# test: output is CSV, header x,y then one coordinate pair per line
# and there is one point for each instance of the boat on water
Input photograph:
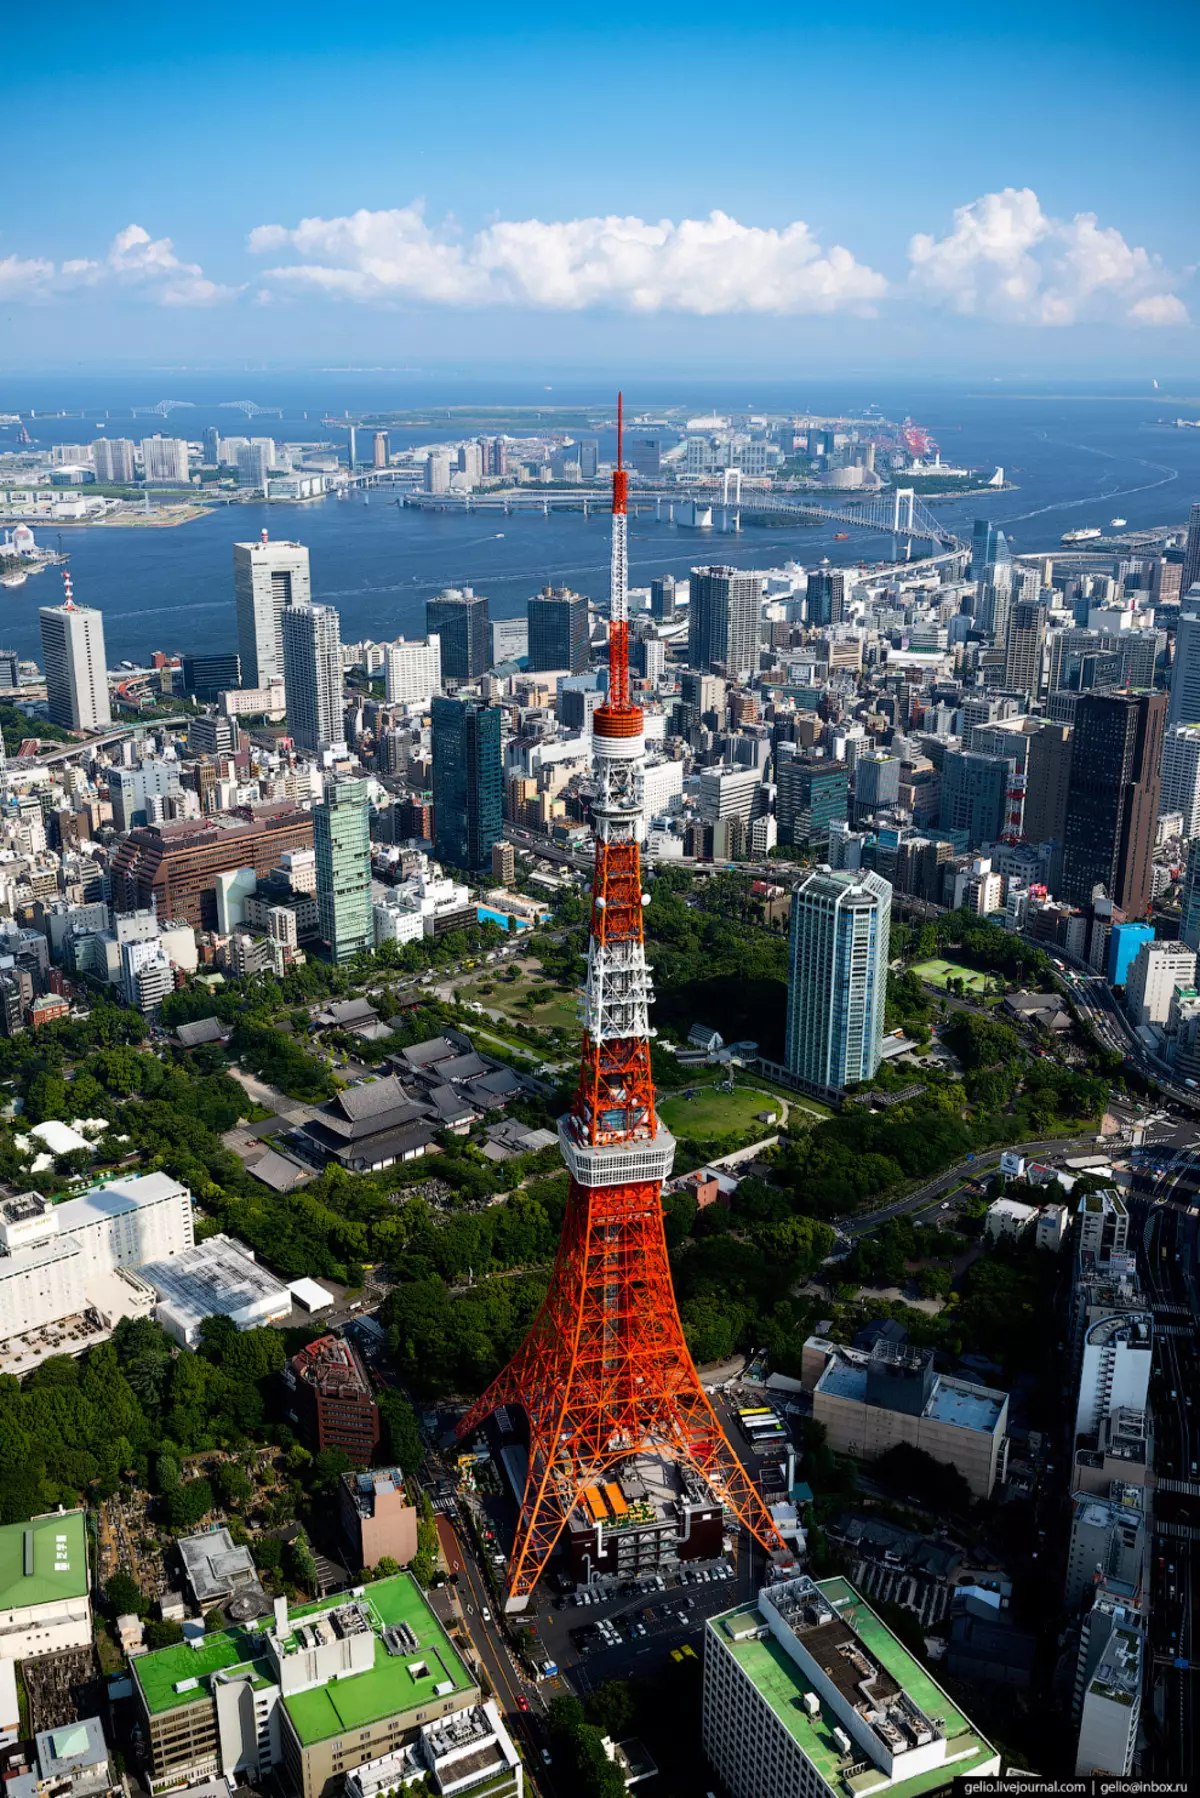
x,y
1087,534
1116,523
841,536
17,578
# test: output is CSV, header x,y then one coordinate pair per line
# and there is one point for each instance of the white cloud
x,y
134,259
708,266
1008,260
24,278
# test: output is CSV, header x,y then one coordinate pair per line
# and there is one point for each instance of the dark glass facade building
x,y
461,621
468,782
1112,798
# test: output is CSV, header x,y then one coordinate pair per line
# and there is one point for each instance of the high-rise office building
x,y
312,676
1180,791
351,447
1024,642
988,545
1112,1707
460,620
1189,915
1112,800
662,598
468,782
255,460
558,630
974,790
380,450
876,783
1185,672
342,840
437,472
165,459
206,676
267,576
723,616
412,671
75,666
784,1714
1191,553
113,460
837,976
810,796
1047,780
508,640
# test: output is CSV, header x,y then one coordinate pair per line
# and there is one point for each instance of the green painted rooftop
x,y
387,1689
43,1560
782,1683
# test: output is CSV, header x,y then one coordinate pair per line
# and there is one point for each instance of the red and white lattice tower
x,y
604,1373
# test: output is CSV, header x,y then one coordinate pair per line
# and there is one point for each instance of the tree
x,y
301,1563
125,1596
611,1707
163,1634
189,1504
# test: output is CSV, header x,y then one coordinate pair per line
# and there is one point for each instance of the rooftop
x,y
966,1406
43,1560
331,1366
393,1686
216,1278
782,1682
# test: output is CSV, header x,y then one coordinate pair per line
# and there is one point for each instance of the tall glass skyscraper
x,y
342,839
312,676
723,615
468,782
460,619
837,976
988,545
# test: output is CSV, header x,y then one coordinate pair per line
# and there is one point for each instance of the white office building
x,y
1157,969
76,670
267,577
808,1694
663,787
837,976
1115,1374
412,670
1112,1707
312,676
1180,791
1184,707
165,459
56,1261
728,793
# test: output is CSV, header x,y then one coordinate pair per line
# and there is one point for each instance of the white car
x,y
485,1614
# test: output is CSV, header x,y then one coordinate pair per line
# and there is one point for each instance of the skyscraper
x,y
468,782
75,665
974,788
988,544
723,621
113,459
810,796
1191,553
1047,781
558,630
266,577
460,620
1181,775
412,671
837,976
207,675
380,450
662,598
876,783
312,676
1024,642
1112,800
165,459
1185,673
342,839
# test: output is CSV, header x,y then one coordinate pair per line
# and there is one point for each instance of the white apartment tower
x,y
113,459
165,459
412,670
1181,775
267,577
75,665
312,676
1157,969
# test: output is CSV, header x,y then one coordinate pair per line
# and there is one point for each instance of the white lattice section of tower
x,y
618,585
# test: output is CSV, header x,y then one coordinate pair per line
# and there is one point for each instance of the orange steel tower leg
x,y
605,1373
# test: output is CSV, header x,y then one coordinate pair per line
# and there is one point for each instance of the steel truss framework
x,y
605,1373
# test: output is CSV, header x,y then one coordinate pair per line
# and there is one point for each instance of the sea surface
x,y
1079,456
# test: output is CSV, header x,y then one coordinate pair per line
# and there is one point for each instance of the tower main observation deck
x,y
604,1374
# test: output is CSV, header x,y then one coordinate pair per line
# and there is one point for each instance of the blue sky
x,y
958,185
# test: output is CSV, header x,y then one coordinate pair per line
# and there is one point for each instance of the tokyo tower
x,y
604,1374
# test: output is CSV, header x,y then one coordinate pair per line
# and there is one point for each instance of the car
x,y
522,1702
485,1614
547,1757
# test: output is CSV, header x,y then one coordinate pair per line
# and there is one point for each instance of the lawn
x,y
712,1113
555,1008
937,973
